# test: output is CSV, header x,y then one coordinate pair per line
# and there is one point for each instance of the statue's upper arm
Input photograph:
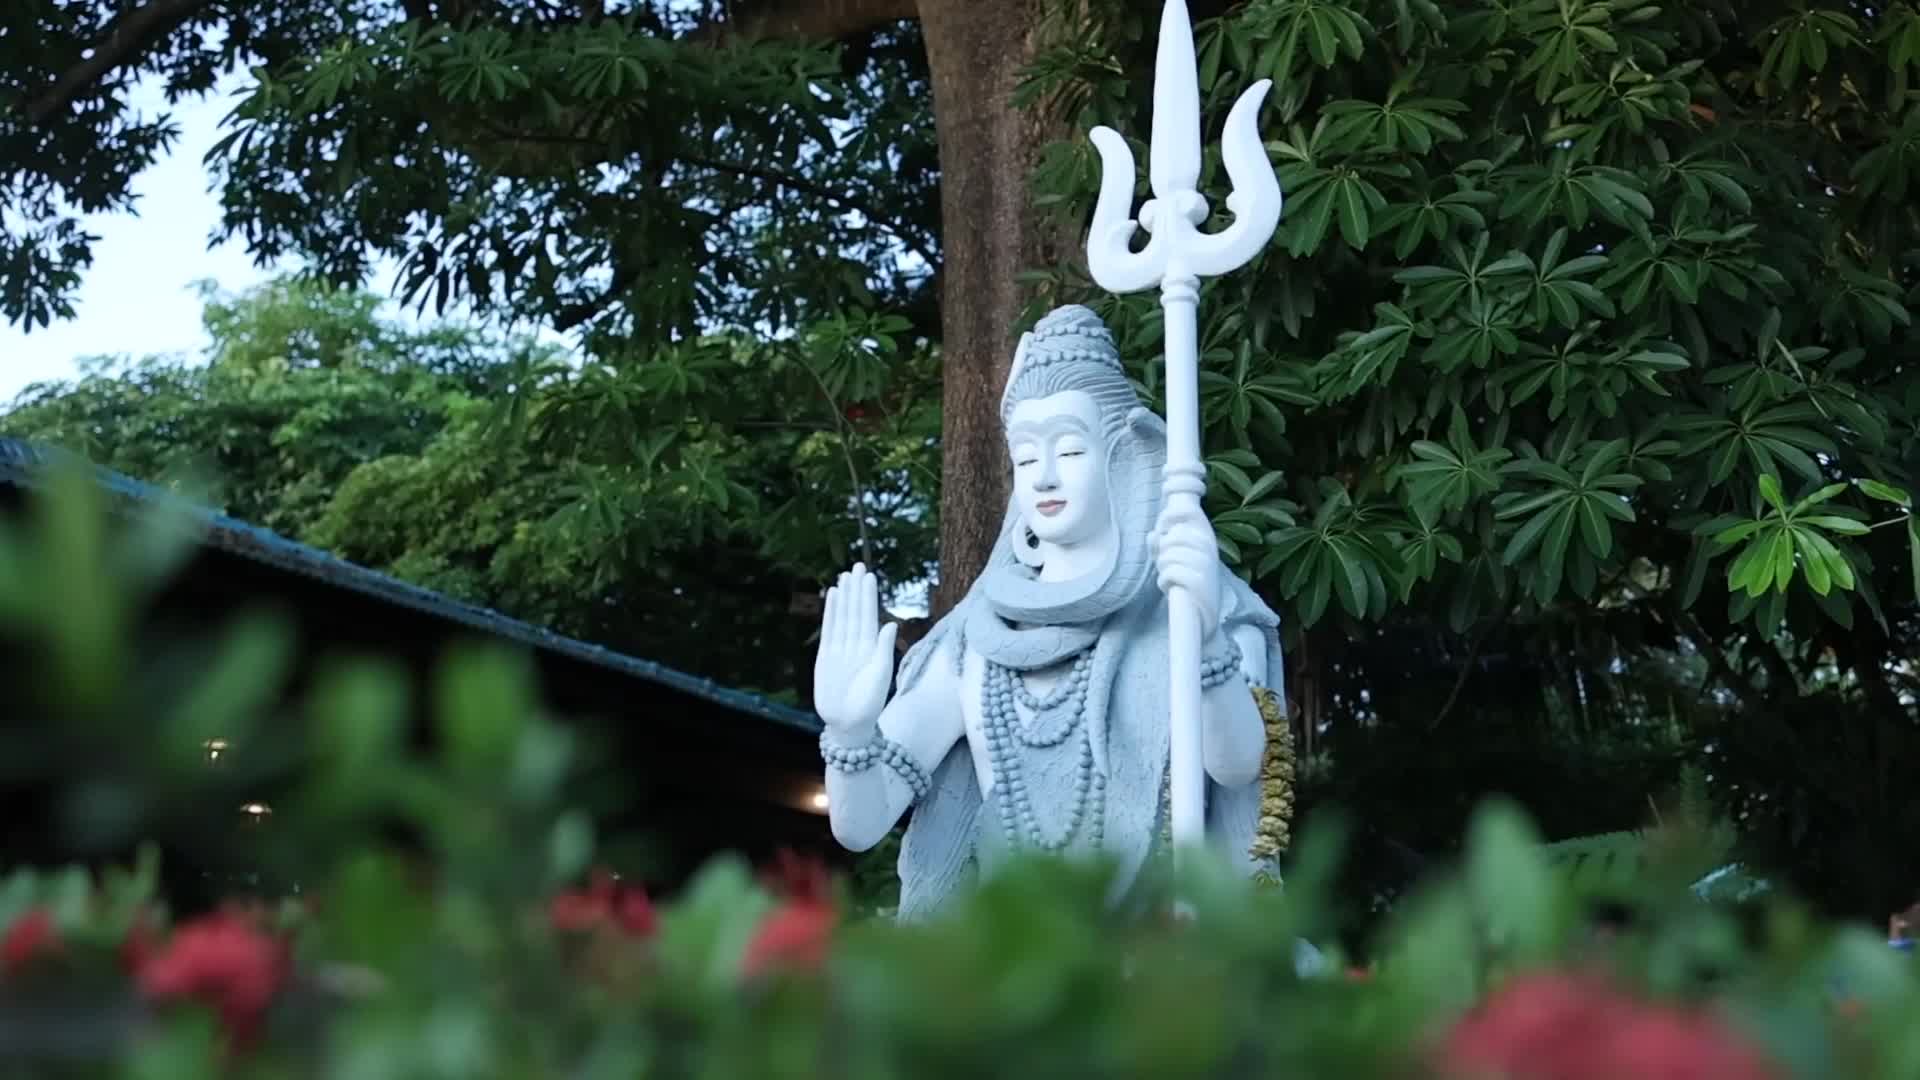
x,y
924,715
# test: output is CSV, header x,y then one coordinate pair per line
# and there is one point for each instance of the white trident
x,y
1176,258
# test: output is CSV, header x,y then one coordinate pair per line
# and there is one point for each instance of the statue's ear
x,y
1026,546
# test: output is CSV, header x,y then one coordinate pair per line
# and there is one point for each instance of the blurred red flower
x,y
1563,1027
633,913
138,947
793,937
221,961
604,901
799,877
583,909
28,936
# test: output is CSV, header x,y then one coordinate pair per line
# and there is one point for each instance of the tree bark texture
x,y
823,20
991,233
1304,694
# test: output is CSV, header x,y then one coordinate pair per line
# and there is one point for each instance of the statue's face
x,y
1059,467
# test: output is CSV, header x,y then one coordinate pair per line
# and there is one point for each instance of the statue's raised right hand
x,y
854,667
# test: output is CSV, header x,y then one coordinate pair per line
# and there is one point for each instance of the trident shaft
x,y
1177,255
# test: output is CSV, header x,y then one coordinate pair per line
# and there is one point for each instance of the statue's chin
x,y
1074,538
1081,560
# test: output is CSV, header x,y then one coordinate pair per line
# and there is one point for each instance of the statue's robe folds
x,y
1128,706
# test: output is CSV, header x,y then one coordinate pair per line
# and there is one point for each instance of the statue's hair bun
x,y
1072,333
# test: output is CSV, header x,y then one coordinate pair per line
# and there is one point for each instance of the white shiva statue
x,y
1034,715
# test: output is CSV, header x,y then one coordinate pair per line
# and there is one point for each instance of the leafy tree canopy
x,y
641,172
674,509
1586,339
1559,282
1564,289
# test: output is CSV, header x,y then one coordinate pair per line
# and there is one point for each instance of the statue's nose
x,y
1049,477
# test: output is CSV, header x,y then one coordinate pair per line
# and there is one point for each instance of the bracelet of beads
x,y
882,751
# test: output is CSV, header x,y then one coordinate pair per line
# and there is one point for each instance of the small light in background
x,y
215,747
820,800
256,809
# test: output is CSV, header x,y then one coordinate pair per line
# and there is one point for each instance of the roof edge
x,y
24,464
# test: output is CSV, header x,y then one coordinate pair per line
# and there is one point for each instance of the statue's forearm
x,y
1252,643
877,770
1233,736
863,806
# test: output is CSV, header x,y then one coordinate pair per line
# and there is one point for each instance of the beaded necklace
x,y
1056,718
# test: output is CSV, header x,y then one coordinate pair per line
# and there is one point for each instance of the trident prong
x,y
1177,247
1176,257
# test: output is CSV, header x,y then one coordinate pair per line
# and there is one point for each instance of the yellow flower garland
x,y
1273,833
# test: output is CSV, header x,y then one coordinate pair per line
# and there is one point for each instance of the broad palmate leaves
x,y
1572,301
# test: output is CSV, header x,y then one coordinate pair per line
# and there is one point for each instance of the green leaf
x,y
1770,490
1594,530
1784,563
1843,526
569,847
231,694
1886,493
1350,580
1322,39
1819,575
1752,568
1512,885
703,939
1319,588
484,704
1913,551
1355,224
1432,951
1832,561
1526,537
1555,549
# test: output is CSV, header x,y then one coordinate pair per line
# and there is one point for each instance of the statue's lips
x,y
1051,506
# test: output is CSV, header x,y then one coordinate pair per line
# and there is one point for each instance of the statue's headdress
x,y
1070,349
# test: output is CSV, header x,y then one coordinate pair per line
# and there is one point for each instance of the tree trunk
x,y
991,232
1304,693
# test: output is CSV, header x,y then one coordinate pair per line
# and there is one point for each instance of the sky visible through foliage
x,y
139,298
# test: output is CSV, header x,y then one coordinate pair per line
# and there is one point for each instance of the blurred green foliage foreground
x,y
448,922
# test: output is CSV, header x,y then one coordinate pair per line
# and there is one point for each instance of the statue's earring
x,y
1026,546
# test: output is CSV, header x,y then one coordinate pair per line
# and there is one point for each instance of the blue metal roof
x,y
24,464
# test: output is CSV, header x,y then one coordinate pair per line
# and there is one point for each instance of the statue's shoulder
x,y
945,642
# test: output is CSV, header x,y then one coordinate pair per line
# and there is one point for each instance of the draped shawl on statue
x,y
1014,619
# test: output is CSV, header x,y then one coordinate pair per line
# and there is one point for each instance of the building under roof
x,y
695,767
